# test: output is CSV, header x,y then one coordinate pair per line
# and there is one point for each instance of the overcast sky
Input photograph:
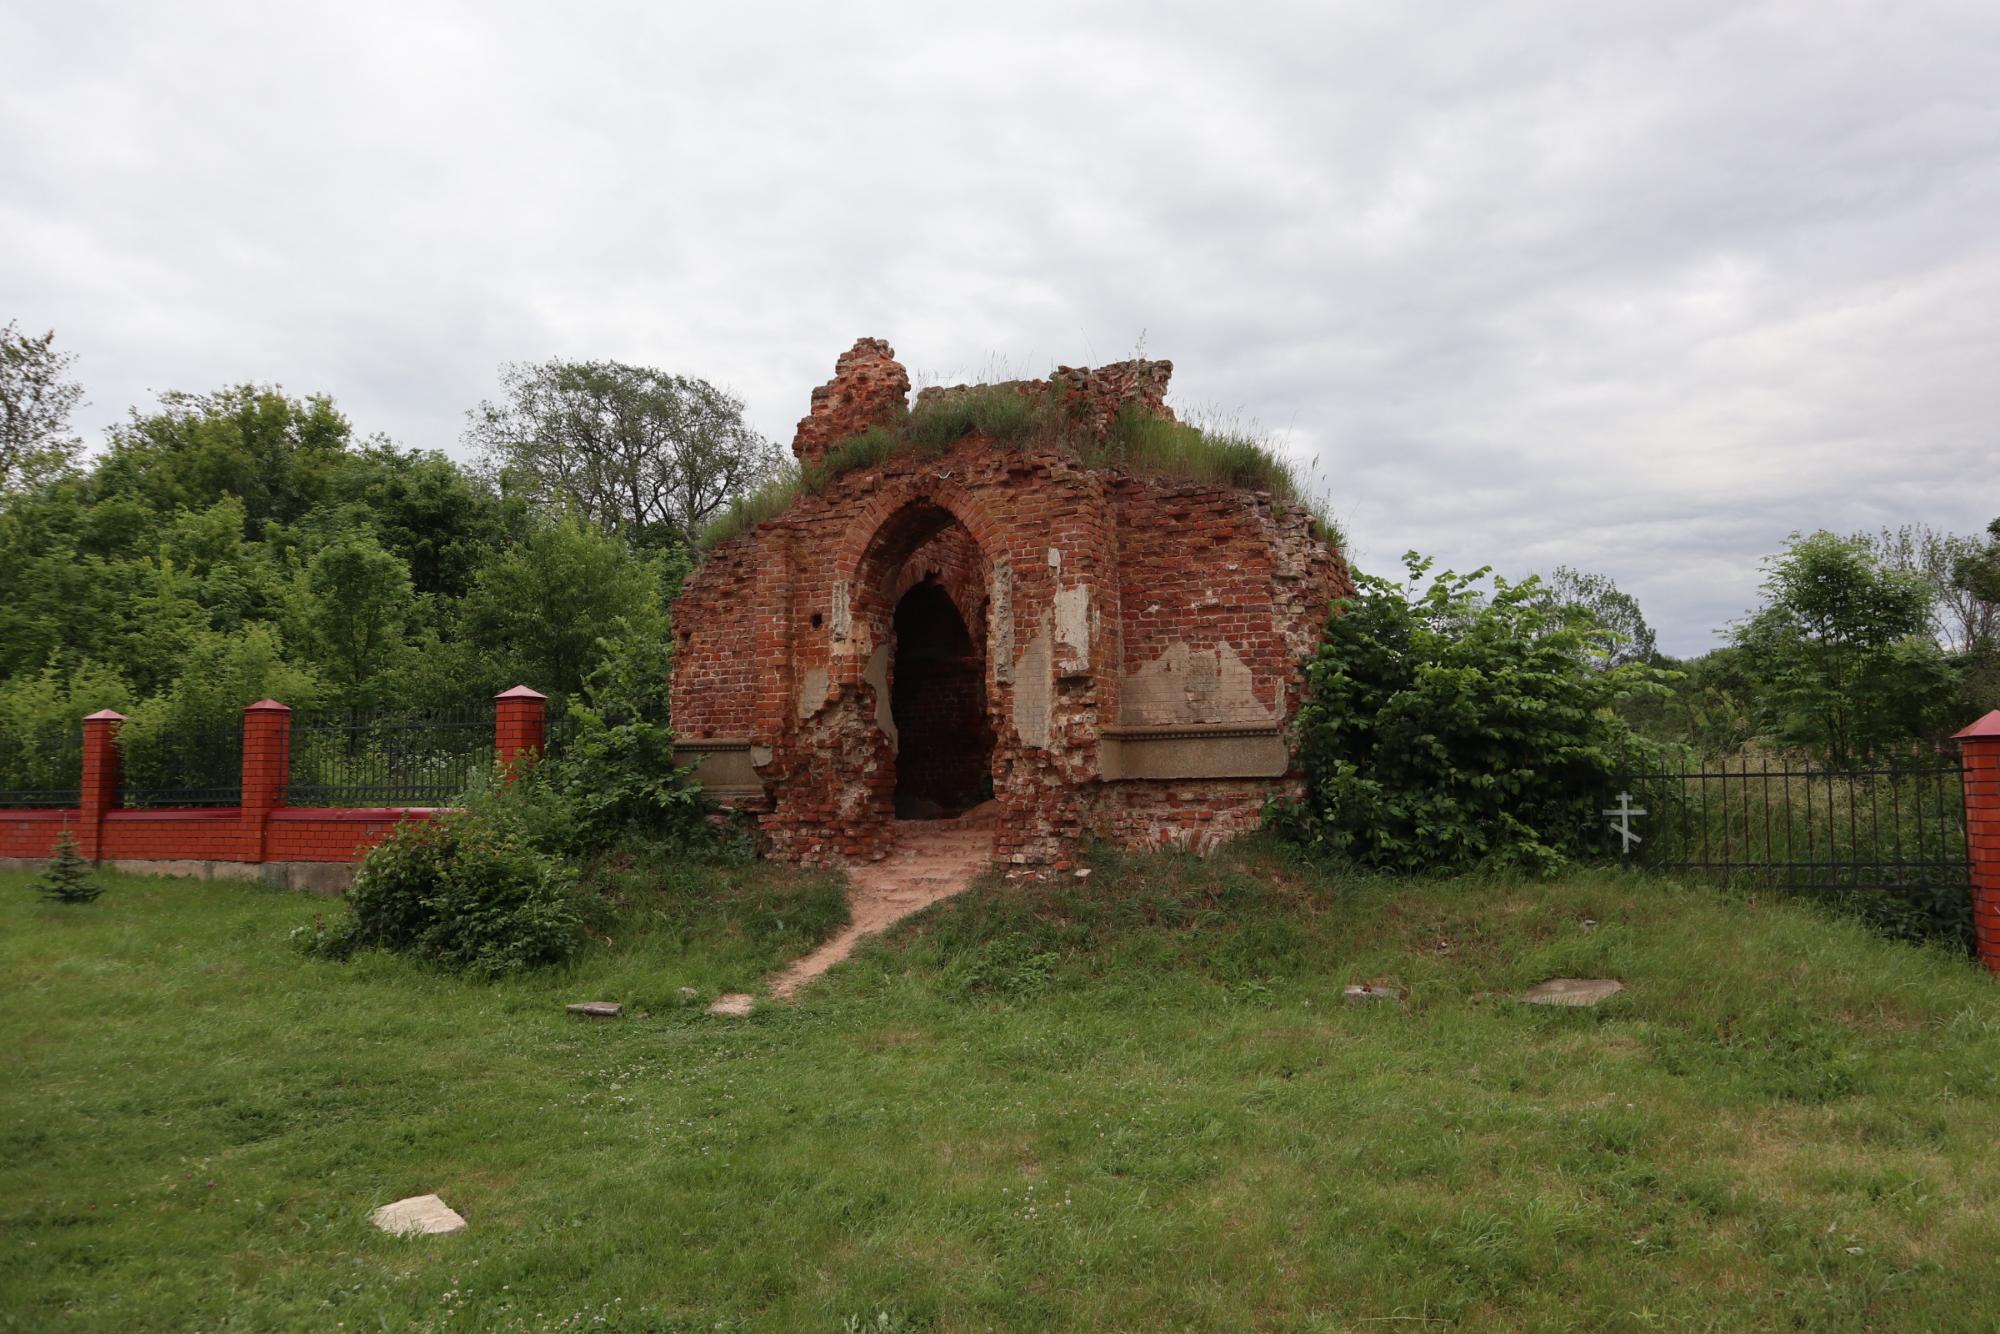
x,y
1635,287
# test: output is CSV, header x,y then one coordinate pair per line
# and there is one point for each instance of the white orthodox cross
x,y
1621,822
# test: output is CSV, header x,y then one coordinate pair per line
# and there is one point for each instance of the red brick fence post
x,y
520,724
99,791
267,769
1979,751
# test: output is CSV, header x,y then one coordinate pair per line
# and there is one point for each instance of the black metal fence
x,y
44,770
182,766
1888,841
363,759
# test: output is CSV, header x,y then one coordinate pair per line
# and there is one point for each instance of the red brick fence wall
x,y
1980,750
264,837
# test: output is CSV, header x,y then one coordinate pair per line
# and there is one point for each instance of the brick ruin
x,y
1099,651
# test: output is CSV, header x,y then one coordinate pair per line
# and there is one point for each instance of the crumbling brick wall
x,y
1139,639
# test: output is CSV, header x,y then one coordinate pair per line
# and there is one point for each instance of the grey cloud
x,y
1637,288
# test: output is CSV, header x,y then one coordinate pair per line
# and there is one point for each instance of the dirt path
x,y
932,860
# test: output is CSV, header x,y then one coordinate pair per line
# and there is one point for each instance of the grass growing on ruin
x,y
1136,1101
1000,413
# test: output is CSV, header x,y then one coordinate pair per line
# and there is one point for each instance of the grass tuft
x,y
1000,412
746,512
1148,444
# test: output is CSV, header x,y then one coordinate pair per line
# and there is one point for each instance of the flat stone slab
x,y
418,1216
596,1009
735,1004
1372,991
1572,991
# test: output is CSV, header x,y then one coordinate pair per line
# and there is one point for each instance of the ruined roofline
x,y
1108,418
870,389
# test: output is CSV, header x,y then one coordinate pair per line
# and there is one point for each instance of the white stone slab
x,y
1572,991
735,1004
420,1215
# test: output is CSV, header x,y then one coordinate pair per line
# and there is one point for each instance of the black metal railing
x,y
373,759
1887,845
42,770
181,766
559,724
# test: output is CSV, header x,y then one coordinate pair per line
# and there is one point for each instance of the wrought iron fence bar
x,y
374,759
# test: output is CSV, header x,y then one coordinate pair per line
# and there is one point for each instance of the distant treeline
x,y
244,543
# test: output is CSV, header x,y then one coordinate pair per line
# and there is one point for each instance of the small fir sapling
x,y
67,879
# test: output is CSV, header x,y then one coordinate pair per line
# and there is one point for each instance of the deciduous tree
x,y
37,396
634,450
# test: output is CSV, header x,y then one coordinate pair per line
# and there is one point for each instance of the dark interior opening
x,y
937,696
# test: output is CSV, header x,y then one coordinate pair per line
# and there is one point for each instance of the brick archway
x,y
920,607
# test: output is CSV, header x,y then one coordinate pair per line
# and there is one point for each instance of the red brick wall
x,y
25,833
1080,586
1980,753
263,828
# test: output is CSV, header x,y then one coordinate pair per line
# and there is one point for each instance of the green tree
x,y
1977,570
1446,729
1610,617
1960,618
37,396
1841,654
67,878
539,609
441,520
356,604
275,453
634,450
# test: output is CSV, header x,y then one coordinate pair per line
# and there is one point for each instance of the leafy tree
x,y
442,521
1841,654
356,604
634,450
1976,571
1610,617
276,454
1961,618
539,609
1446,729
36,398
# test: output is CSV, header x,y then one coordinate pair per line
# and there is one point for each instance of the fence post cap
x,y
1985,727
105,716
520,692
267,706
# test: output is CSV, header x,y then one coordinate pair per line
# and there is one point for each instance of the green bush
x,y
1446,729
468,893
614,780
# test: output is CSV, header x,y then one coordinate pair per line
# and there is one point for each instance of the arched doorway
x,y
937,699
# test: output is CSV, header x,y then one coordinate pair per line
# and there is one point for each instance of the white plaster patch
x,y
1031,693
842,620
1073,620
812,692
1000,629
1185,685
877,675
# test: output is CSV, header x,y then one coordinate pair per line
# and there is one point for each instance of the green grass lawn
x,y
1133,1102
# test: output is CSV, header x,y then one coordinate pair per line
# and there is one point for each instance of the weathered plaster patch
x,y
877,674
1000,634
1031,693
812,691
841,620
1185,685
1073,620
